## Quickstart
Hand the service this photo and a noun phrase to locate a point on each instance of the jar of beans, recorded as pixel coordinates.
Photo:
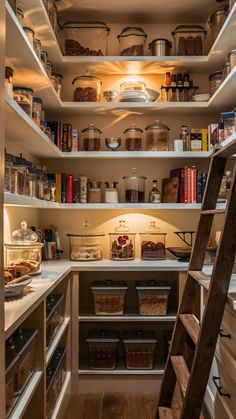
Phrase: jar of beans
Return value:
(91, 138)
(87, 88)
(133, 138)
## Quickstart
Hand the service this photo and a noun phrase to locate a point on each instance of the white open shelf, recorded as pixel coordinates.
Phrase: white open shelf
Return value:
(158, 369)
(26, 396)
(57, 339)
(137, 155)
(129, 316)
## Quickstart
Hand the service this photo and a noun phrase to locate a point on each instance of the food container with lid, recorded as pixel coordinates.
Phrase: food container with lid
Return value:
(122, 243)
(31, 182)
(85, 245)
(11, 363)
(55, 376)
(139, 349)
(20, 15)
(133, 138)
(229, 121)
(153, 243)
(86, 88)
(44, 58)
(226, 69)
(55, 308)
(49, 67)
(18, 175)
(9, 80)
(94, 192)
(134, 187)
(215, 80)
(216, 21)
(85, 38)
(102, 349)
(132, 41)
(189, 40)
(111, 193)
(9, 161)
(157, 137)
(56, 80)
(37, 110)
(24, 97)
(25, 250)
(37, 47)
(232, 59)
(91, 138)
(160, 47)
(29, 33)
(153, 297)
(109, 297)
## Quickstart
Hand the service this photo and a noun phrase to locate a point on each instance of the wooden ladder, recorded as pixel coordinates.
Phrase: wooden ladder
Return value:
(192, 380)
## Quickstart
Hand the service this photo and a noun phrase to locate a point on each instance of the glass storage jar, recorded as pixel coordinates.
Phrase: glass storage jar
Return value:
(189, 40)
(109, 297)
(122, 243)
(139, 349)
(153, 243)
(91, 138)
(24, 97)
(133, 138)
(215, 80)
(36, 110)
(49, 67)
(56, 80)
(132, 41)
(85, 38)
(29, 33)
(86, 88)
(95, 192)
(134, 187)
(25, 249)
(111, 193)
(138, 86)
(41, 180)
(157, 137)
(20, 15)
(9, 162)
(229, 121)
(226, 69)
(44, 58)
(102, 349)
(85, 245)
(153, 297)
(18, 175)
(37, 47)
(31, 183)
(9, 81)
(216, 21)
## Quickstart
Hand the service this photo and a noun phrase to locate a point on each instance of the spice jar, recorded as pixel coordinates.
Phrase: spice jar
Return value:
(91, 138)
(9, 161)
(56, 80)
(20, 15)
(36, 110)
(24, 97)
(153, 243)
(95, 192)
(111, 193)
(49, 69)
(37, 47)
(122, 243)
(8, 81)
(215, 80)
(157, 137)
(30, 34)
(85, 245)
(132, 41)
(87, 88)
(134, 187)
(133, 138)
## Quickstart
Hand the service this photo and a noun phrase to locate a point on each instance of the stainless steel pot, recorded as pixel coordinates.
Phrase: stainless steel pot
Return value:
(160, 47)
(218, 18)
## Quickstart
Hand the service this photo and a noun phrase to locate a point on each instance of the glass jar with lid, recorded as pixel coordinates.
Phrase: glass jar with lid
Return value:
(132, 41)
(111, 193)
(41, 181)
(134, 187)
(25, 249)
(49, 67)
(56, 80)
(133, 138)
(85, 245)
(153, 243)
(44, 58)
(215, 80)
(31, 182)
(18, 176)
(122, 243)
(29, 33)
(86, 88)
(9, 81)
(36, 110)
(157, 137)
(24, 97)
(91, 138)
(37, 47)
(94, 192)
(137, 86)
(9, 162)
(85, 38)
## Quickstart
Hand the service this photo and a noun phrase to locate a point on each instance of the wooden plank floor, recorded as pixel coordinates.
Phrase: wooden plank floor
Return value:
(112, 406)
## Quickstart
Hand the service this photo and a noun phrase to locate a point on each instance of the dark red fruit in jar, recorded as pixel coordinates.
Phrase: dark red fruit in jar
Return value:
(126, 237)
(122, 240)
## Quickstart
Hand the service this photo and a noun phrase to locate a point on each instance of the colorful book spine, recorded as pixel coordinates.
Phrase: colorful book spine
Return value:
(69, 137)
(63, 187)
(199, 186)
(193, 185)
(185, 185)
(69, 189)
(189, 185)
(58, 187)
(204, 139)
(64, 138)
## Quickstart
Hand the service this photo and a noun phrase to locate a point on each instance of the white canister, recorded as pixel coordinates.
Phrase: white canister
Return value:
(111, 193)
(178, 145)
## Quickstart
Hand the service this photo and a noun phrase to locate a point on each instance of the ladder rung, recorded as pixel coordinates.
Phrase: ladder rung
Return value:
(191, 326)
(165, 413)
(199, 276)
(213, 211)
(181, 372)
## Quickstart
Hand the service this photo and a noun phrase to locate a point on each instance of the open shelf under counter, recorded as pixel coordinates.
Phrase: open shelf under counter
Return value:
(60, 332)
(129, 316)
(158, 369)
(21, 56)
(26, 396)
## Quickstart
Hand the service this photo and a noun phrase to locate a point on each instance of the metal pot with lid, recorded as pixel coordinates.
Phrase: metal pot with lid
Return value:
(160, 47)
(157, 136)
(217, 20)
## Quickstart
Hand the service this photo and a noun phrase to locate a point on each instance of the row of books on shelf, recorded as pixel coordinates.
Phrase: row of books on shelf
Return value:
(191, 184)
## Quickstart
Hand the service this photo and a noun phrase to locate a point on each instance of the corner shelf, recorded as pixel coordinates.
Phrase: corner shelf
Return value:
(57, 339)
(129, 316)
(158, 369)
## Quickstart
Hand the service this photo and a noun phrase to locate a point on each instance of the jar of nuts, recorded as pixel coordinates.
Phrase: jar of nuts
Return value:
(87, 88)
(91, 138)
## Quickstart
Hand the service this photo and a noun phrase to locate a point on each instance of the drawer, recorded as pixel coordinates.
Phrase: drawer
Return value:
(215, 407)
(223, 388)
(227, 336)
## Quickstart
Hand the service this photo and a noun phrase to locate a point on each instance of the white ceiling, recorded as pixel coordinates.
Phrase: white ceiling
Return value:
(143, 11)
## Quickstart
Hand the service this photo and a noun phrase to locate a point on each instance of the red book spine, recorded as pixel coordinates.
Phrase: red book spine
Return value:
(185, 185)
(181, 186)
(189, 188)
(69, 137)
(193, 185)
(69, 189)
